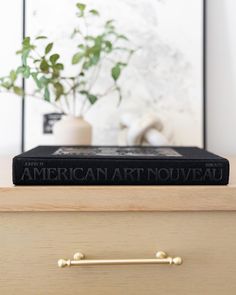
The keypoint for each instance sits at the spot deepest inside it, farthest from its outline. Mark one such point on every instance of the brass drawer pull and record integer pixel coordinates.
(79, 260)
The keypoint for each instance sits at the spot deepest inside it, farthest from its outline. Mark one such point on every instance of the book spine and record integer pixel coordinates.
(29, 171)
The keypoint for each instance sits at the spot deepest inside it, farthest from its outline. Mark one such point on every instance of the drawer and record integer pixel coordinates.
(32, 243)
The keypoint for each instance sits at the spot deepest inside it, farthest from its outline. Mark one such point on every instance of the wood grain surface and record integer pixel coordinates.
(31, 244)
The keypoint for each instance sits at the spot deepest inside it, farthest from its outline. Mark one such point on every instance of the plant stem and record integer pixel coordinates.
(83, 106)
(74, 99)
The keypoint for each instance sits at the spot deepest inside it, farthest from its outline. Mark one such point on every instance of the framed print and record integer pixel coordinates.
(162, 86)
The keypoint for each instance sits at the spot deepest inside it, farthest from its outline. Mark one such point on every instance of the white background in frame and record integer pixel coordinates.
(164, 76)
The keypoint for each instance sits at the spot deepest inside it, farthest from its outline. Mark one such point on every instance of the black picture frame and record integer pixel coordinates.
(204, 75)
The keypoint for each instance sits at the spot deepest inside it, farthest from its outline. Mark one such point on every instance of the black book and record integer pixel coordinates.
(113, 165)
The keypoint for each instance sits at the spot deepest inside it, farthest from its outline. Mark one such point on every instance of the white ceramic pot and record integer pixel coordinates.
(72, 131)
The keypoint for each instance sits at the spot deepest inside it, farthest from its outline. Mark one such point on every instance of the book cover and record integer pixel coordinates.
(115, 165)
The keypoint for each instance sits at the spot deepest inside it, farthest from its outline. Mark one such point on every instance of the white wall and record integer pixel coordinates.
(10, 115)
(221, 76)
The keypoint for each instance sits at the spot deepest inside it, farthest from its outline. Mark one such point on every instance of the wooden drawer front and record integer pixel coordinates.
(31, 244)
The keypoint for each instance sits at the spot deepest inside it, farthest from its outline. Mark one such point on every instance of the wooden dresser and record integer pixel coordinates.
(40, 225)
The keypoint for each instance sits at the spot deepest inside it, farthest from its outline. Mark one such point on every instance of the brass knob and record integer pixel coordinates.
(177, 260)
(63, 263)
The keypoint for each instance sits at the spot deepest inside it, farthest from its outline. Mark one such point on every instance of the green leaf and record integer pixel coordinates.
(26, 72)
(13, 76)
(36, 80)
(94, 12)
(26, 42)
(81, 46)
(94, 59)
(92, 98)
(59, 66)
(81, 6)
(26, 45)
(44, 66)
(46, 94)
(40, 37)
(122, 37)
(84, 92)
(48, 48)
(89, 38)
(24, 56)
(108, 45)
(110, 26)
(98, 40)
(86, 65)
(122, 64)
(19, 51)
(109, 23)
(20, 70)
(36, 61)
(115, 72)
(76, 31)
(43, 81)
(17, 90)
(77, 58)
(54, 58)
(6, 84)
(59, 90)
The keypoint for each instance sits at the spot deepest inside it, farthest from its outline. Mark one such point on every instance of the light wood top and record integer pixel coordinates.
(114, 198)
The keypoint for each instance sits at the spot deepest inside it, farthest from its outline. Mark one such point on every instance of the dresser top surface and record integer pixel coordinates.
(115, 198)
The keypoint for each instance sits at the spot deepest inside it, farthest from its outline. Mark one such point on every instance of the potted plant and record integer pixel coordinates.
(73, 95)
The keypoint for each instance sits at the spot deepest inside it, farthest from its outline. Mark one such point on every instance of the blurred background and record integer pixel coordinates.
(162, 83)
